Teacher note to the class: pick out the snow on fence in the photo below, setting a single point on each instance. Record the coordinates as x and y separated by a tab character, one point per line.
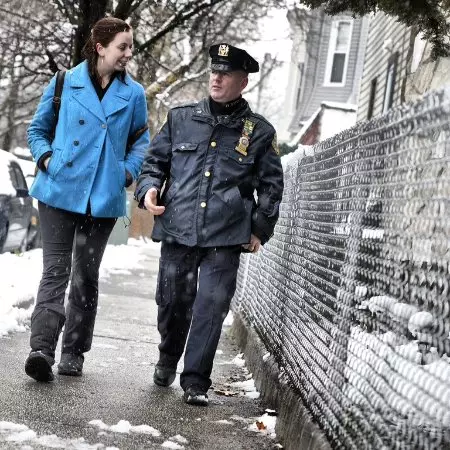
351	295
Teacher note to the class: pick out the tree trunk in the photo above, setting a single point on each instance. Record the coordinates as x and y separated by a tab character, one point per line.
11	109
90	12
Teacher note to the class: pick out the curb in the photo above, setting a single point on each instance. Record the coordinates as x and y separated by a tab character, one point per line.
295	427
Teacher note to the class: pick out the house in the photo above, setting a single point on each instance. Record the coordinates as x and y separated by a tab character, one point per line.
385	66
324	75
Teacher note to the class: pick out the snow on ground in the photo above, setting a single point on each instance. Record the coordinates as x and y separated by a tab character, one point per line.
21	274
20	434
123	426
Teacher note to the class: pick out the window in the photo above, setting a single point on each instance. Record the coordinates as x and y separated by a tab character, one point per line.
13	176
338	51
373	91
300	83
16	175
391	73
20	178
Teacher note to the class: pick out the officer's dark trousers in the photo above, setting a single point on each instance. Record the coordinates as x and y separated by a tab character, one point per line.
72	243
180	299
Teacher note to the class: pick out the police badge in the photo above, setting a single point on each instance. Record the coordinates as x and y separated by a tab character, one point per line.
244	140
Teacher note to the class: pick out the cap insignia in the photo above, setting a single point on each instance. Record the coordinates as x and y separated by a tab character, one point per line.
223	50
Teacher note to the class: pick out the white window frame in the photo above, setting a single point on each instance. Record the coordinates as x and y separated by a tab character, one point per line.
331	51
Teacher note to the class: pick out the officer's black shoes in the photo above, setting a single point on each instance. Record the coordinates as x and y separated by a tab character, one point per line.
39	366
164	376
195	395
71	365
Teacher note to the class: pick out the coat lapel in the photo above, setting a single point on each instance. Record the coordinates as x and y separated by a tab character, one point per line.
83	91
117	96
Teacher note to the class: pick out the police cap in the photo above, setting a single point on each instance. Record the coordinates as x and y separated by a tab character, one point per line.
226	58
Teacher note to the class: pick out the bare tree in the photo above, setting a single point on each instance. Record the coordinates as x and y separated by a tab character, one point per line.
171	38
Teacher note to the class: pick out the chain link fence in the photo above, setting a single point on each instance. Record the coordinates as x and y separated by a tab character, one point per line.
351	294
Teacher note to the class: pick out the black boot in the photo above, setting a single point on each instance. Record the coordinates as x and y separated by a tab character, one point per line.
164	376
71	365
195	395
46	326
39	366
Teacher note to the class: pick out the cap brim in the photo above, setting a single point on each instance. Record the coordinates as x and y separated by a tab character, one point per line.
222	67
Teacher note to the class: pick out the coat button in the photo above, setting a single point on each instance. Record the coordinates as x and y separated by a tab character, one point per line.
103	125
203	204
81	122
69	164
213	144
207	174
76	143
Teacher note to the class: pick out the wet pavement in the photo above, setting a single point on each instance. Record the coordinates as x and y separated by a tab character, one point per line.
116	390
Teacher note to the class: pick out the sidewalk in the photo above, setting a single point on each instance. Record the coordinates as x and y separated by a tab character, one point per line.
115	404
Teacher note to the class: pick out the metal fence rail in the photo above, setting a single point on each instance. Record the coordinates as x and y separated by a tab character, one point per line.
351	295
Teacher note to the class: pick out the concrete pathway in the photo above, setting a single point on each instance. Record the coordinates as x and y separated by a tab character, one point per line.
117	386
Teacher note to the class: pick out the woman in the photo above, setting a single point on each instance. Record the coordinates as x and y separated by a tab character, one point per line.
81	189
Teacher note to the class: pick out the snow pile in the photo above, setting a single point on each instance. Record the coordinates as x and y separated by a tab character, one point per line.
123	426
20	434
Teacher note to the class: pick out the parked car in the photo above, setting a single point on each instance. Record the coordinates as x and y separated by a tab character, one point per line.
34	237
16	205
28	167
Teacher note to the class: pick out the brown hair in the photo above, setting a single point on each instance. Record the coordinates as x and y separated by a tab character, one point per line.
104	31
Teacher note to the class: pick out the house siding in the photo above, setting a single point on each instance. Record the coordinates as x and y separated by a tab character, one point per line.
383	28
314	92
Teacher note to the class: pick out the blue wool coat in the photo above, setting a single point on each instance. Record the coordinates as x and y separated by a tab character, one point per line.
89	161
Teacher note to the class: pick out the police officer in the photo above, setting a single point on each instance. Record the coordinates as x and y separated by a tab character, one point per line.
199	179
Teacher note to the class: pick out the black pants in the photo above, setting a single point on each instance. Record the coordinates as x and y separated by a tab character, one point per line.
72	244
182	303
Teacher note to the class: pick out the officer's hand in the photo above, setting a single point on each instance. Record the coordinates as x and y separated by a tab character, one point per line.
254	245
150	202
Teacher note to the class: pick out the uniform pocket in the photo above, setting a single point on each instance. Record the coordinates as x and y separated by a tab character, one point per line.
235	167
239	158
166	284
184	159
232	198
184	147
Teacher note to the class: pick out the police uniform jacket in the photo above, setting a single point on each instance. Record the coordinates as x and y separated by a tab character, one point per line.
206	185
89	159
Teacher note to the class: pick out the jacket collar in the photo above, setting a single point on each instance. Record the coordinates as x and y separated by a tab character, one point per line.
202	112
115	99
